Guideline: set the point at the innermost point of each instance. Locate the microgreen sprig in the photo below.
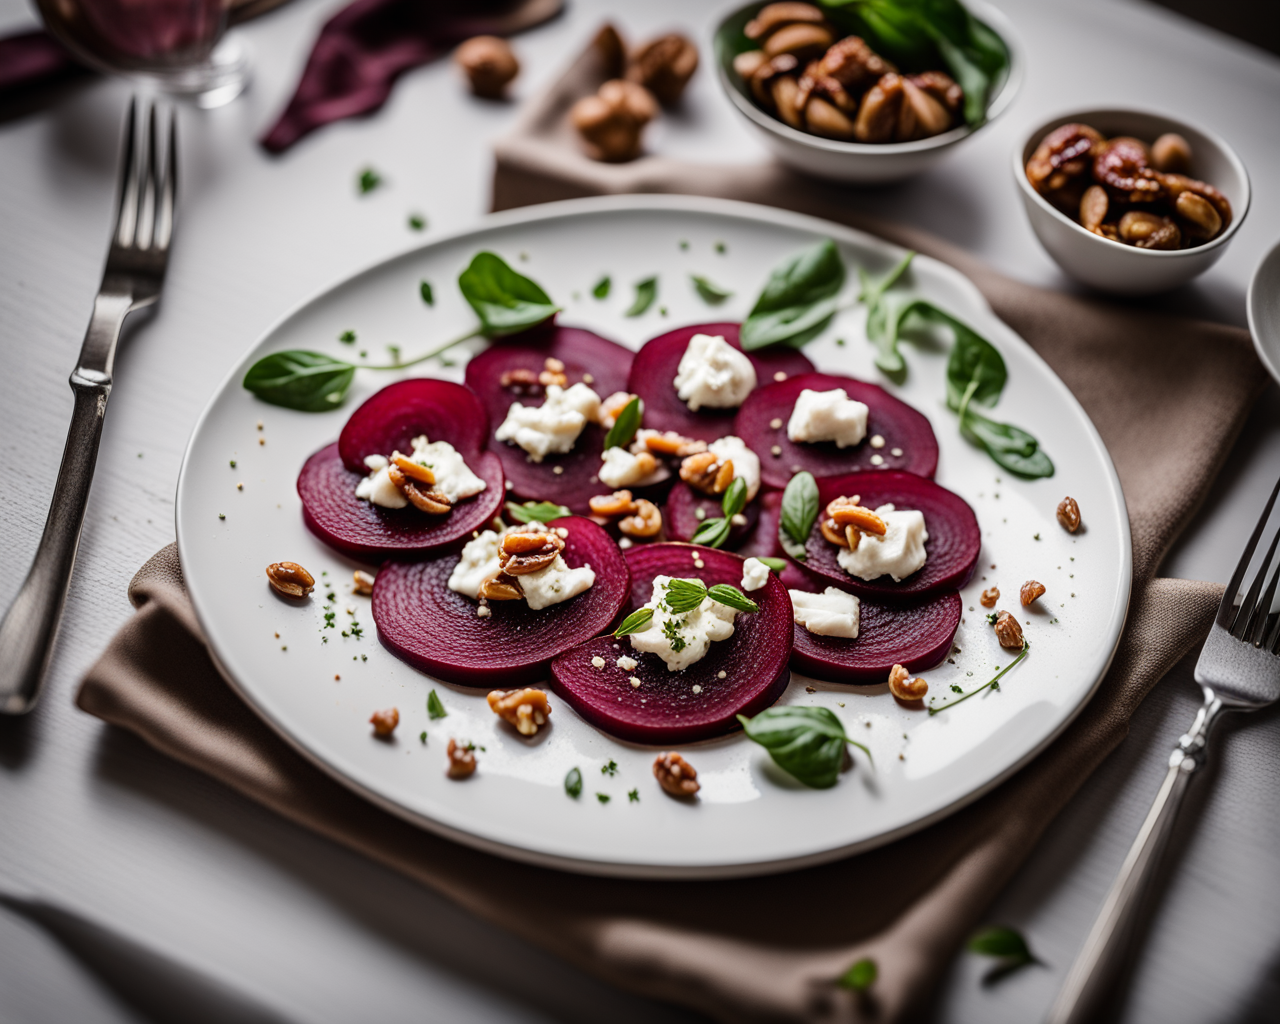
(714, 532)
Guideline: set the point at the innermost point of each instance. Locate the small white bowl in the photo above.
(1264, 310)
(1113, 266)
(856, 162)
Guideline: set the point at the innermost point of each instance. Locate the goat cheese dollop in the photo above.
(553, 426)
(454, 478)
(621, 468)
(827, 416)
(714, 374)
(682, 639)
(899, 553)
(755, 574)
(831, 613)
(552, 585)
(746, 463)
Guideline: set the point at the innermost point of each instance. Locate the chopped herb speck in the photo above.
(603, 797)
(422, 737)
(610, 769)
(369, 180)
(633, 795)
(348, 337)
(222, 515)
(417, 222)
(428, 296)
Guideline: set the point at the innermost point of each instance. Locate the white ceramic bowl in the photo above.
(855, 162)
(1264, 310)
(1113, 266)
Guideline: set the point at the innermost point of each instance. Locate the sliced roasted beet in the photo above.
(902, 427)
(433, 628)
(361, 529)
(664, 709)
(951, 550)
(653, 375)
(680, 516)
(916, 636)
(588, 358)
(763, 542)
(392, 418)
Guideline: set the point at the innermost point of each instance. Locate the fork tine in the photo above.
(127, 204)
(1254, 623)
(1227, 615)
(168, 188)
(148, 193)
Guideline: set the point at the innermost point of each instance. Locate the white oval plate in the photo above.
(749, 818)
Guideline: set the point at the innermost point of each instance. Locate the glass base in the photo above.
(214, 82)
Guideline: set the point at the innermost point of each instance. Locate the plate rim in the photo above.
(626, 203)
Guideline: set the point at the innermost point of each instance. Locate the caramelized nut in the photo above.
(1171, 153)
(432, 502)
(290, 579)
(989, 597)
(526, 709)
(878, 113)
(1204, 221)
(826, 119)
(902, 686)
(1069, 514)
(705, 472)
(362, 582)
(748, 63)
(610, 122)
(527, 550)
(671, 443)
(501, 588)
(1149, 231)
(846, 538)
(523, 380)
(772, 17)
(1030, 591)
(859, 517)
(675, 775)
(611, 408)
(548, 377)
(413, 470)
(384, 722)
(608, 506)
(489, 64)
(784, 91)
(664, 66)
(801, 39)
(1008, 632)
(462, 759)
(1093, 208)
(646, 521)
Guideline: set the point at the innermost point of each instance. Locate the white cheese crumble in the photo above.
(597, 662)
(899, 553)
(454, 478)
(692, 631)
(622, 469)
(827, 416)
(552, 585)
(755, 574)
(627, 663)
(714, 374)
(746, 463)
(553, 426)
(831, 613)
(479, 561)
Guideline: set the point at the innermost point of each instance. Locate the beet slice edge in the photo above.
(422, 622)
(902, 427)
(654, 371)
(664, 710)
(390, 419)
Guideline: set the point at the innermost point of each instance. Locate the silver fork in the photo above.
(1238, 670)
(132, 279)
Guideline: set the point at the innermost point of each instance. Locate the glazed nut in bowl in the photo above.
(832, 99)
(1118, 216)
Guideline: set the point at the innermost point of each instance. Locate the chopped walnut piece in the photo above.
(902, 686)
(1069, 514)
(432, 502)
(707, 473)
(619, 503)
(488, 63)
(664, 66)
(522, 380)
(670, 443)
(384, 722)
(526, 549)
(290, 579)
(611, 408)
(553, 373)
(645, 522)
(857, 516)
(462, 760)
(989, 597)
(416, 472)
(362, 582)
(1030, 591)
(501, 588)
(526, 709)
(1008, 632)
(676, 775)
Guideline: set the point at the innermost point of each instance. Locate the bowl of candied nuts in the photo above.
(852, 96)
(1131, 202)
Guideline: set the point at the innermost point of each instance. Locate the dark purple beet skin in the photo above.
(899, 424)
(653, 375)
(363, 530)
(423, 622)
(680, 517)
(390, 420)
(664, 710)
(583, 354)
(951, 550)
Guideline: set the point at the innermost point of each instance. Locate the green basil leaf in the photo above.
(646, 292)
(428, 296)
(1010, 446)
(807, 742)
(601, 290)
(539, 511)
(713, 532)
(735, 497)
(684, 595)
(625, 426)
(861, 976)
(872, 288)
(1001, 942)
(776, 565)
(435, 709)
(711, 293)
(573, 783)
(797, 301)
(799, 508)
(731, 597)
(506, 302)
(974, 360)
(633, 623)
(790, 547)
(301, 380)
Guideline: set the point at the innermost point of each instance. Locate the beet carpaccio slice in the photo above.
(902, 427)
(585, 355)
(664, 709)
(680, 516)
(423, 622)
(653, 375)
(390, 419)
(763, 542)
(367, 531)
(951, 550)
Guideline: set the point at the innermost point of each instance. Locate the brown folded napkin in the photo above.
(1168, 397)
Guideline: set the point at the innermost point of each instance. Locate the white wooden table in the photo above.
(96, 818)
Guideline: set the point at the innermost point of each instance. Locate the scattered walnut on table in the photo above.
(1030, 591)
(489, 64)
(526, 709)
(902, 686)
(1069, 514)
(989, 597)
(664, 66)
(362, 582)
(1008, 632)
(290, 579)
(384, 722)
(462, 759)
(676, 775)
(611, 121)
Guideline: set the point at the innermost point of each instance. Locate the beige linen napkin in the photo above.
(1168, 397)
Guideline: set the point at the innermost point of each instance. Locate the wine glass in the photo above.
(178, 44)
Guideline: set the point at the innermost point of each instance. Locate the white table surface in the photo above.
(95, 818)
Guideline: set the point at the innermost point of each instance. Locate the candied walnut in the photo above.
(826, 119)
(610, 122)
(707, 473)
(1199, 216)
(1149, 231)
(921, 115)
(384, 722)
(989, 597)
(526, 709)
(772, 17)
(858, 516)
(501, 587)
(489, 64)
(645, 522)
(525, 550)
(800, 39)
(785, 91)
(1069, 514)
(675, 775)
(845, 537)
(853, 64)
(942, 87)
(290, 579)
(879, 110)
(671, 443)
(664, 66)
(608, 506)
(462, 759)
(1122, 165)
(362, 582)
(902, 686)
(1008, 632)
(1030, 591)
(1062, 157)
(432, 502)
(1093, 208)
(416, 472)
(523, 381)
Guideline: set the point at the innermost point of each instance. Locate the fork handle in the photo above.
(1091, 977)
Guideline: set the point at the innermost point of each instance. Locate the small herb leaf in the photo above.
(505, 301)
(646, 292)
(799, 509)
(635, 622)
(797, 301)
(368, 180)
(775, 565)
(861, 976)
(428, 296)
(1011, 447)
(435, 709)
(539, 511)
(1001, 942)
(625, 426)
(300, 380)
(732, 597)
(684, 595)
(807, 742)
(711, 293)
(712, 533)
(573, 783)
(735, 498)
(601, 290)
